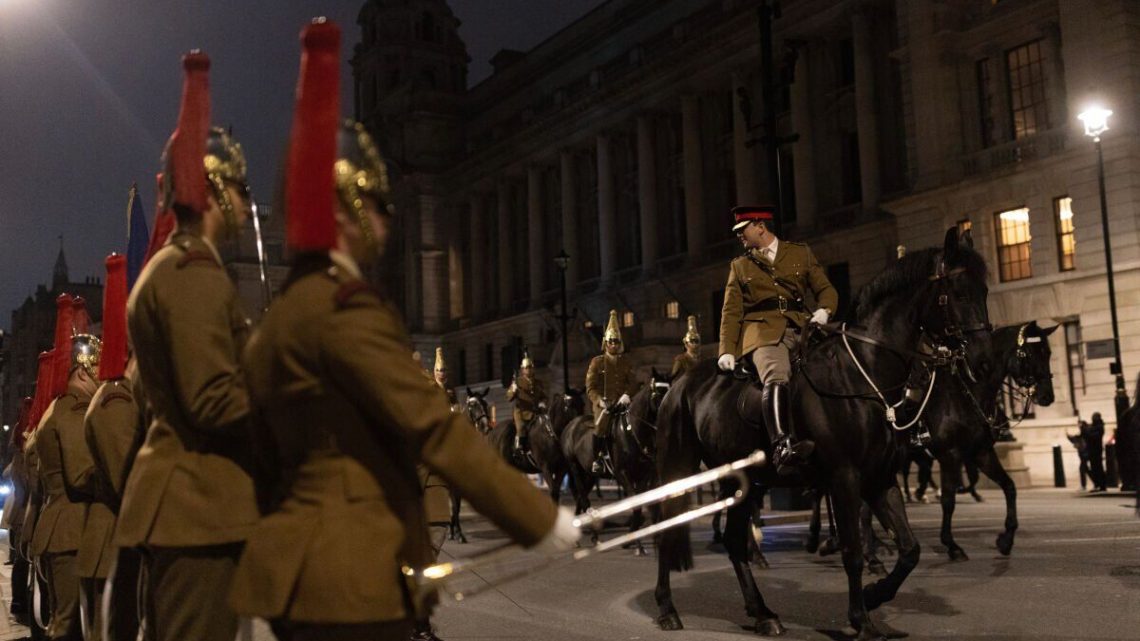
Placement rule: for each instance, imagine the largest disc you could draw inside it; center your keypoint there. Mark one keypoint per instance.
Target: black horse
(633, 447)
(930, 293)
(544, 452)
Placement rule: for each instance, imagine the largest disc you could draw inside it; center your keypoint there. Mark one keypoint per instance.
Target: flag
(138, 237)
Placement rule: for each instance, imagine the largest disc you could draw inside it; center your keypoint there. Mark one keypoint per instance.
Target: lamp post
(562, 260)
(1095, 120)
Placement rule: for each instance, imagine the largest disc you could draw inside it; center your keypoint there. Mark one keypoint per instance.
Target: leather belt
(779, 303)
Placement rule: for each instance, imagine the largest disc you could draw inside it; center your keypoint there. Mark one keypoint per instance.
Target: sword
(262, 267)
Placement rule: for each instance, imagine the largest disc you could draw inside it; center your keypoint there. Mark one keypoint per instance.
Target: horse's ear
(950, 246)
(653, 373)
(967, 239)
(469, 394)
(1046, 332)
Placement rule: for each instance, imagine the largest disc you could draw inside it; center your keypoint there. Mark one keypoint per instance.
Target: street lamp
(562, 260)
(1095, 120)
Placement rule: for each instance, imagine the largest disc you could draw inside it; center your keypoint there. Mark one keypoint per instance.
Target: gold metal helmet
(360, 171)
(440, 364)
(900, 251)
(613, 330)
(692, 336)
(225, 163)
(85, 352)
(526, 361)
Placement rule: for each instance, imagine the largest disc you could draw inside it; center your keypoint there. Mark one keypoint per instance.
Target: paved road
(1074, 574)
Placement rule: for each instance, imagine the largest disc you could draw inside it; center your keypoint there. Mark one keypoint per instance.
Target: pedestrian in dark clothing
(1094, 440)
(1078, 441)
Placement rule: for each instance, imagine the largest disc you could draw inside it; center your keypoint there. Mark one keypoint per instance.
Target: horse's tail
(677, 457)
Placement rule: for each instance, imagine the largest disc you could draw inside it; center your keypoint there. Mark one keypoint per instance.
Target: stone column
(803, 155)
(570, 217)
(647, 191)
(480, 271)
(694, 177)
(744, 162)
(607, 208)
(865, 115)
(537, 263)
(506, 249)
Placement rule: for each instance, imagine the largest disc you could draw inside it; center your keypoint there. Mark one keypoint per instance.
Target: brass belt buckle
(781, 304)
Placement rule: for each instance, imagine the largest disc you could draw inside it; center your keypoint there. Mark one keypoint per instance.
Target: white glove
(624, 400)
(726, 362)
(563, 536)
(820, 316)
(513, 388)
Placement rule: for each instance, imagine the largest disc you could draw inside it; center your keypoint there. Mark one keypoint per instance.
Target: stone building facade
(625, 138)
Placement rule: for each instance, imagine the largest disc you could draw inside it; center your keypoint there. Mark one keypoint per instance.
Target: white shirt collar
(345, 262)
(772, 248)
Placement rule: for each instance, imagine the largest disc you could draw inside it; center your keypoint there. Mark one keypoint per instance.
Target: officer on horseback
(609, 382)
(764, 312)
(439, 376)
(529, 396)
(685, 361)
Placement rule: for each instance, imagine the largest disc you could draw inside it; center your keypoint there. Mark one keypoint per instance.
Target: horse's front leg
(891, 511)
(814, 526)
(736, 540)
(951, 464)
(847, 503)
(990, 465)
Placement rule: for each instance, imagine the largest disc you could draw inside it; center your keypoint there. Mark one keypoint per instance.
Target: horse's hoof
(640, 551)
(770, 627)
(872, 595)
(812, 545)
(1005, 543)
(957, 554)
(876, 568)
(869, 633)
(671, 621)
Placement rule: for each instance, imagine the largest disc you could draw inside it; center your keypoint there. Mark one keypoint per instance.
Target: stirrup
(789, 456)
(920, 436)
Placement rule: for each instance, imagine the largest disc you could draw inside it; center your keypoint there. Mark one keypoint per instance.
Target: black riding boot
(423, 632)
(600, 452)
(787, 451)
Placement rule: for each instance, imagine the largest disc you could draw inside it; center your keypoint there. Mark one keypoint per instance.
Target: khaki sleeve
(595, 383)
(678, 367)
(731, 314)
(368, 359)
(825, 294)
(80, 476)
(114, 430)
(512, 393)
(203, 352)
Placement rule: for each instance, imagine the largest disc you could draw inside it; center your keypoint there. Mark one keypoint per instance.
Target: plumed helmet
(692, 335)
(309, 184)
(184, 186)
(86, 348)
(225, 165)
(440, 364)
(526, 361)
(61, 346)
(360, 171)
(113, 359)
(613, 330)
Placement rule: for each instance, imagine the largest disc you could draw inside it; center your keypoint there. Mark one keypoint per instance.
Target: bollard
(1110, 469)
(1058, 467)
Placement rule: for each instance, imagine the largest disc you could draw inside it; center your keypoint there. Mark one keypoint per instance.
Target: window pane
(1026, 71)
(1013, 244)
(1066, 236)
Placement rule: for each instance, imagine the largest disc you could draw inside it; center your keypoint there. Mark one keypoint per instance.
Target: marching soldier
(59, 441)
(763, 314)
(337, 392)
(189, 501)
(609, 381)
(685, 361)
(35, 492)
(14, 515)
(529, 396)
(113, 429)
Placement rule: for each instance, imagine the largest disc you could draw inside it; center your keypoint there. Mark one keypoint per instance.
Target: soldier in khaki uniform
(609, 381)
(14, 514)
(529, 396)
(189, 501)
(687, 359)
(763, 314)
(439, 377)
(113, 429)
(348, 411)
(59, 442)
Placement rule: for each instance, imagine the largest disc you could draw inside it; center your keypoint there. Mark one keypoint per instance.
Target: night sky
(89, 93)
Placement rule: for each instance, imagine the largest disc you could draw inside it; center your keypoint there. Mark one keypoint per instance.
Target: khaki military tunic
(527, 394)
(190, 484)
(35, 496)
(743, 326)
(607, 378)
(682, 363)
(349, 415)
(60, 525)
(113, 432)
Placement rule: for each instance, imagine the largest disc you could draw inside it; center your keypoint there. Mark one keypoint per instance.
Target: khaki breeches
(773, 362)
(63, 589)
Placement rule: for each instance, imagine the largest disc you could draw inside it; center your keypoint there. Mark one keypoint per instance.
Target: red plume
(309, 186)
(43, 389)
(187, 147)
(64, 315)
(113, 359)
(164, 222)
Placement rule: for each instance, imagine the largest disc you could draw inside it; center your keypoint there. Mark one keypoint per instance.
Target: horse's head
(478, 411)
(1028, 364)
(659, 384)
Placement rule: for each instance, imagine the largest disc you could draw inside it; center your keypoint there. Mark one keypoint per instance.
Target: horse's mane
(911, 271)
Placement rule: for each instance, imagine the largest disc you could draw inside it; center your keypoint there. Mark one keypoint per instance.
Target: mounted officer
(609, 381)
(439, 376)
(685, 361)
(765, 311)
(529, 396)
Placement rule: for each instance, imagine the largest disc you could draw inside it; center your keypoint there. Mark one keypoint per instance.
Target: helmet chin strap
(225, 203)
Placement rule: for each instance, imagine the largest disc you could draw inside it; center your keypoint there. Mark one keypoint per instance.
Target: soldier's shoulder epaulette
(115, 396)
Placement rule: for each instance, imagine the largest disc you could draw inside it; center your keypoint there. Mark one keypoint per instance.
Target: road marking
(1092, 539)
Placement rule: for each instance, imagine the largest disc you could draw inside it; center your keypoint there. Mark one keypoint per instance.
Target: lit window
(1066, 239)
(1013, 244)
(964, 227)
(672, 309)
(1027, 105)
(627, 319)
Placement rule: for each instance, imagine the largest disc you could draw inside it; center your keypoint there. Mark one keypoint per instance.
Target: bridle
(477, 414)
